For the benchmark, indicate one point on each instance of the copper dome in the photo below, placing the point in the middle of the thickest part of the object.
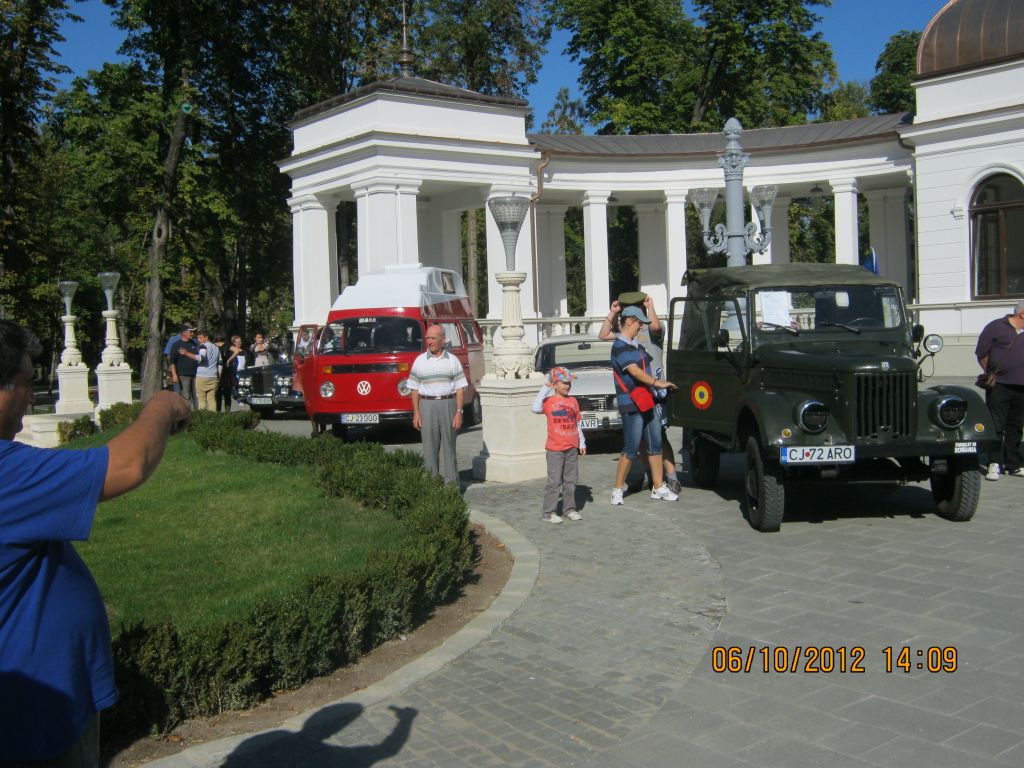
(970, 33)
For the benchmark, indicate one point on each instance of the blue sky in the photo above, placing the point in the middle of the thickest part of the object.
(857, 30)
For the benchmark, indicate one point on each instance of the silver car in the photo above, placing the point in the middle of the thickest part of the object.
(589, 359)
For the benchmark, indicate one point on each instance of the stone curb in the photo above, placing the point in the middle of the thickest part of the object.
(525, 569)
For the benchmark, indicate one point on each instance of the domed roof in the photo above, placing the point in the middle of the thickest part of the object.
(971, 33)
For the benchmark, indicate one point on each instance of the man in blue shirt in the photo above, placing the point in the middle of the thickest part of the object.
(56, 668)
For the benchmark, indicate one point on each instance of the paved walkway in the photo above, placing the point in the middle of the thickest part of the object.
(600, 652)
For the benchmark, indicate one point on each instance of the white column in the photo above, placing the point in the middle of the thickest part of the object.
(652, 258)
(675, 242)
(778, 250)
(387, 223)
(595, 250)
(847, 247)
(887, 230)
(314, 257)
(451, 241)
(554, 301)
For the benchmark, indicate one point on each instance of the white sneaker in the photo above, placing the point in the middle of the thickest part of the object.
(616, 496)
(552, 519)
(574, 515)
(993, 472)
(664, 493)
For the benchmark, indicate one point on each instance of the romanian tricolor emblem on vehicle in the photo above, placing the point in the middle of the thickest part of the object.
(700, 395)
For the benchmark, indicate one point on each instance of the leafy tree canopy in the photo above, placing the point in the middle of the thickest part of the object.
(891, 89)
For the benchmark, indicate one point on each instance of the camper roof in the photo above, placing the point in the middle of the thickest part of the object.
(402, 285)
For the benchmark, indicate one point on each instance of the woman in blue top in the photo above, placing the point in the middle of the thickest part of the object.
(631, 365)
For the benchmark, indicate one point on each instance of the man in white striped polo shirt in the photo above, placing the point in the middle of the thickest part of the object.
(438, 386)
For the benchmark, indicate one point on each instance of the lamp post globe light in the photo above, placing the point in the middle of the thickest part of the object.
(112, 354)
(735, 238)
(512, 359)
(71, 355)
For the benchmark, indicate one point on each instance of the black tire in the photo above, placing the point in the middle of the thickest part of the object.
(473, 413)
(956, 494)
(340, 431)
(706, 459)
(764, 493)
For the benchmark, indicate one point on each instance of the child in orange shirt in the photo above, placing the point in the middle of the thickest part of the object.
(564, 446)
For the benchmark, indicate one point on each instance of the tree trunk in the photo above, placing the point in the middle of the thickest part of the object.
(152, 362)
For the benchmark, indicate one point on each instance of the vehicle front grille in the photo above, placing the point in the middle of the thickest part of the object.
(885, 405)
(596, 402)
(365, 368)
(262, 381)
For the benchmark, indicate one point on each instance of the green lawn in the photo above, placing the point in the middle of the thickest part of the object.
(209, 535)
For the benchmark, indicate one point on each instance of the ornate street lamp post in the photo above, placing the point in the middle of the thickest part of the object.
(512, 360)
(72, 375)
(113, 375)
(735, 238)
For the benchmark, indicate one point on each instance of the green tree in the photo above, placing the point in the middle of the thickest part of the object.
(566, 117)
(891, 89)
(844, 102)
(28, 32)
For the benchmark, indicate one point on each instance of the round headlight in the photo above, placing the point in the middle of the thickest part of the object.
(403, 388)
(327, 389)
(932, 343)
(812, 416)
(949, 411)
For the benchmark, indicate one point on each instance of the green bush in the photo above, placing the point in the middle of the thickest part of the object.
(72, 430)
(167, 673)
(120, 414)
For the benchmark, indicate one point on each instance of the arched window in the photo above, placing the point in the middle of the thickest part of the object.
(997, 237)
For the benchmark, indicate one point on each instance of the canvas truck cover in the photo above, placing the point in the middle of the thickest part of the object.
(734, 281)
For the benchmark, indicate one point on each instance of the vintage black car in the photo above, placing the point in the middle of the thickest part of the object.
(811, 370)
(268, 388)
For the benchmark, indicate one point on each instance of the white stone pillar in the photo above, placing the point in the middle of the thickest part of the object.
(451, 241)
(595, 250)
(387, 223)
(847, 246)
(887, 230)
(554, 298)
(675, 242)
(314, 257)
(778, 249)
(652, 256)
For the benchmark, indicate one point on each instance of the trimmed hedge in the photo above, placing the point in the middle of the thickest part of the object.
(166, 674)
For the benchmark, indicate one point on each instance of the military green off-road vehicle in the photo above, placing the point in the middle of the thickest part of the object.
(811, 370)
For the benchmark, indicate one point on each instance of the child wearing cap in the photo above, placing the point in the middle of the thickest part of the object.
(564, 446)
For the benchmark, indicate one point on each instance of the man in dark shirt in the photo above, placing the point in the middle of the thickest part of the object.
(1000, 351)
(185, 360)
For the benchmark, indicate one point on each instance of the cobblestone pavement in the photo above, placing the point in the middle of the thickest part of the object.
(608, 662)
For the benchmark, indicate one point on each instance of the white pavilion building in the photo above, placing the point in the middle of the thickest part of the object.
(414, 154)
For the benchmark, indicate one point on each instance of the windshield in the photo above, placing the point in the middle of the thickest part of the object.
(371, 335)
(843, 309)
(574, 355)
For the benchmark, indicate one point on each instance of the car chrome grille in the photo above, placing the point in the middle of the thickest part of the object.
(596, 402)
(262, 382)
(885, 405)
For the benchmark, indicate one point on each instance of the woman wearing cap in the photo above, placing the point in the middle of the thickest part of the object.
(632, 369)
(564, 446)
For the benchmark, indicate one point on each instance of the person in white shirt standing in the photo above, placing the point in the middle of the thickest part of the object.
(207, 372)
(438, 386)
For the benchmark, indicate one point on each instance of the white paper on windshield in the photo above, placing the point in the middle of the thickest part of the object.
(775, 307)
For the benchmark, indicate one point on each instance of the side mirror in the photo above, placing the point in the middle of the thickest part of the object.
(917, 333)
(722, 338)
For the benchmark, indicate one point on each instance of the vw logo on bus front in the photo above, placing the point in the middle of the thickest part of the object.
(363, 388)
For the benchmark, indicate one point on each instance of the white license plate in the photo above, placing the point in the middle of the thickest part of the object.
(261, 400)
(590, 423)
(819, 454)
(360, 418)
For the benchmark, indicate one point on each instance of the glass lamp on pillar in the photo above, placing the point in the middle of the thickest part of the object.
(762, 198)
(703, 201)
(512, 360)
(112, 354)
(71, 354)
